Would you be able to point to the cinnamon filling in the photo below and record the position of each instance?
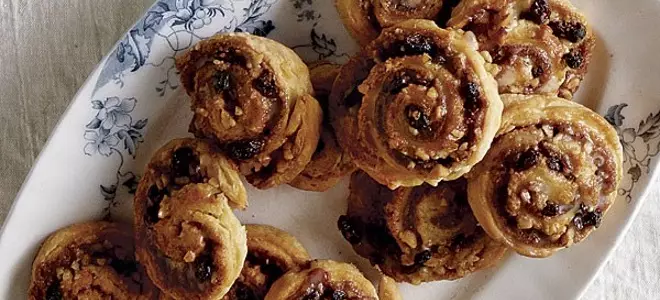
(539, 12)
(245, 149)
(413, 44)
(266, 85)
(571, 31)
(66, 275)
(319, 287)
(259, 273)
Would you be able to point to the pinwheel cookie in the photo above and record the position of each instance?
(271, 253)
(418, 234)
(253, 97)
(550, 176)
(92, 260)
(418, 106)
(187, 237)
(536, 46)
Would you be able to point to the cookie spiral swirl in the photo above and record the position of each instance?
(550, 176)
(418, 234)
(536, 46)
(417, 107)
(271, 253)
(93, 260)
(189, 240)
(252, 95)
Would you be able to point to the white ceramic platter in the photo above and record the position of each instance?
(132, 104)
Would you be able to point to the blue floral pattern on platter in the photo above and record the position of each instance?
(170, 27)
(641, 144)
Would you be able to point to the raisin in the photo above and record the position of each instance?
(537, 71)
(348, 230)
(550, 210)
(222, 81)
(417, 118)
(243, 292)
(593, 218)
(471, 94)
(415, 44)
(422, 257)
(124, 267)
(338, 295)
(53, 292)
(554, 163)
(204, 268)
(526, 160)
(265, 84)
(574, 32)
(578, 222)
(573, 59)
(539, 12)
(184, 162)
(245, 149)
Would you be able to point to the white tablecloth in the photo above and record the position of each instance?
(48, 48)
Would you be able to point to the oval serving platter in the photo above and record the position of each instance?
(131, 104)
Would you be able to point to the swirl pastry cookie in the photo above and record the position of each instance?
(271, 253)
(323, 279)
(550, 176)
(252, 95)
(417, 234)
(92, 260)
(187, 237)
(418, 107)
(364, 19)
(537, 46)
(329, 163)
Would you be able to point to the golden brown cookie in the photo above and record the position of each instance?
(187, 237)
(253, 97)
(329, 163)
(537, 46)
(417, 107)
(550, 176)
(323, 279)
(271, 253)
(92, 260)
(417, 234)
(364, 19)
